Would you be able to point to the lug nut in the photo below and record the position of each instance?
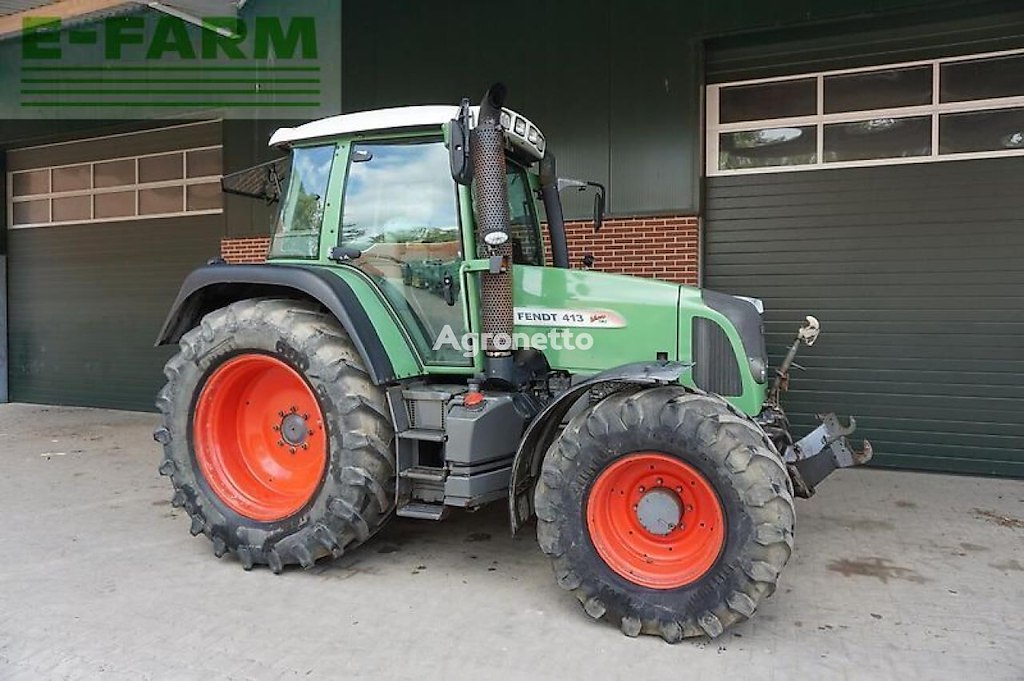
(660, 481)
(275, 428)
(280, 443)
(291, 450)
(305, 417)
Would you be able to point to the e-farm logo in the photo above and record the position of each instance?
(167, 62)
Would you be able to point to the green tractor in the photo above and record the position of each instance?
(318, 394)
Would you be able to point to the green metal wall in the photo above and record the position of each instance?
(616, 111)
(916, 273)
(616, 86)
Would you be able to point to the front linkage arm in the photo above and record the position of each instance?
(824, 449)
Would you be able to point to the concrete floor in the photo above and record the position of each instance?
(895, 576)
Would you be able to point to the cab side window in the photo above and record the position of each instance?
(400, 211)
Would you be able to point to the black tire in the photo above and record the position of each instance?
(734, 456)
(356, 494)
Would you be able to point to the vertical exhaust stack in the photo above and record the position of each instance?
(490, 205)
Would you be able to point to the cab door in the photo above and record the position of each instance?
(400, 223)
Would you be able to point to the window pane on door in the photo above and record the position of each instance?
(400, 212)
(768, 147)
(203, 163)
(878, 89)
(72, 178)
(160, 200)
(114, 173)
(768, 100)
(160, 168)
(30, 182)
(31, 212)
(115, 205)
(999, 130)
(206, 196)
(961, 81)
(878, 138)
(72, 208)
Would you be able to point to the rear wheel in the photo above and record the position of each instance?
(665, 511)
(276, 441)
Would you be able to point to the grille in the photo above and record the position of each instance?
(715, 368)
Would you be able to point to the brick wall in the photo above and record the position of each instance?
(245, 249)
(661, 247)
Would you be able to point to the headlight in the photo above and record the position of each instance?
(758, 369)
(533, 135)
(520, 127)
(506, 120)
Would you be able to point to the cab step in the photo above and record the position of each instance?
(426, 434)
(424, 473)
(423, 511)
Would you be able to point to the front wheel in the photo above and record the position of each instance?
(666, 511)
(275, 439)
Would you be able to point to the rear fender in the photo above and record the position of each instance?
(545, 426)
(214, 286)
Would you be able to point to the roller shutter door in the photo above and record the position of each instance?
(87, 299)
(917, 275)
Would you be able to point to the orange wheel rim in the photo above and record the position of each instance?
(655, 520)
(259, 437)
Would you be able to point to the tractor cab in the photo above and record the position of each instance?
(374, 190)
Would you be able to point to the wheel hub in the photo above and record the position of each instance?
(655, 520)
(659, 511)
(261, 461)
(293, 430)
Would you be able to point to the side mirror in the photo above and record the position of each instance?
(581, 186)
(458, 146)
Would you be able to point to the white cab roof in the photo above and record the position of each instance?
(368, 121)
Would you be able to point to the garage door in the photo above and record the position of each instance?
(101, 234)
(917, 276)
(910, 254)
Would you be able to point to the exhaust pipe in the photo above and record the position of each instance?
(490, 205)
(553, 210)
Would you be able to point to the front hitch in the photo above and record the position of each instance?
(824, 449)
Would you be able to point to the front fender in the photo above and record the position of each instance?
(542, 430)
